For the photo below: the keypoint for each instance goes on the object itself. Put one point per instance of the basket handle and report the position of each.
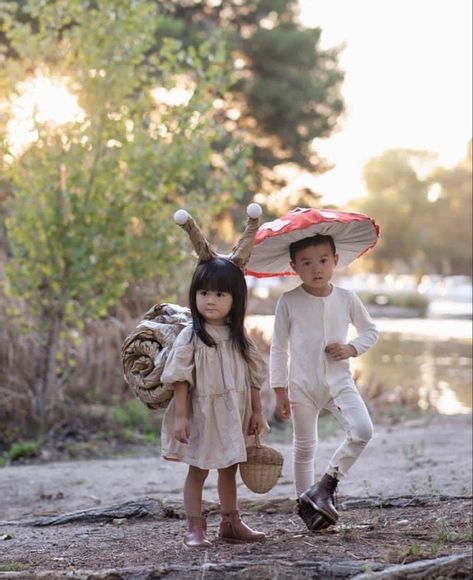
(257, 441)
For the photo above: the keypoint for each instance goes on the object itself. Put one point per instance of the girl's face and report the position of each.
(214, 306)
(315, 266)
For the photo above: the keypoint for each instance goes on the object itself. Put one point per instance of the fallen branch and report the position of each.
(401, 501)
(141, 508)
(458, 566)
(160, 509)
(234, 569)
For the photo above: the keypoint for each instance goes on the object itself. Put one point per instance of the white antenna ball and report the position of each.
(254, 210)
(181, 216)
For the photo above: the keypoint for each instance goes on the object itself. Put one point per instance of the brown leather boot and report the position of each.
(313, 519)
(232, 529)
(318, 500)
(194, 536)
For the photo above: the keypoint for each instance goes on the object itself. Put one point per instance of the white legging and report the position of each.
(350, 410)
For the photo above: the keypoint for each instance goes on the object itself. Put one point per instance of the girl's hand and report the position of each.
(338, 351)
(182, 430)
(283, 407)
(257, 424)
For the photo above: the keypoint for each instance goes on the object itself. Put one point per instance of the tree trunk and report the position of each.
(47, 391)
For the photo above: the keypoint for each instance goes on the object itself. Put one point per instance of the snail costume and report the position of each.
(219, 378)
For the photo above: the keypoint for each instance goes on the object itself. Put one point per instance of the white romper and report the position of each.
(304, 325)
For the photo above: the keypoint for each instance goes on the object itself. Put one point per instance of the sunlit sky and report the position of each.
(408, 83)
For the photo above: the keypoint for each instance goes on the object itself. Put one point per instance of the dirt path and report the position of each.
(428, 460)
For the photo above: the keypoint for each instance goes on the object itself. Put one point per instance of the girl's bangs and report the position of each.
(215, 280)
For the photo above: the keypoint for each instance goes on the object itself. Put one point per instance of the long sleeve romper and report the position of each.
(304, 325)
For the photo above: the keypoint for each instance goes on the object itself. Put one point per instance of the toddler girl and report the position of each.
(216, 373)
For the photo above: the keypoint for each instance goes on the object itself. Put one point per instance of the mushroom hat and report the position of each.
(353, 234)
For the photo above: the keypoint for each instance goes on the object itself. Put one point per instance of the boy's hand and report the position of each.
(283, 408)
(182, 430)
(337, 351)
(257, 423)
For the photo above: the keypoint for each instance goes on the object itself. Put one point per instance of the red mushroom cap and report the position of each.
(353, 234)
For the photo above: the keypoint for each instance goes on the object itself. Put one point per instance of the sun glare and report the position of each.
(42, 100)
(175, 97)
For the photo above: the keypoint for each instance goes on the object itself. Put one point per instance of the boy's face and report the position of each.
(315, 266)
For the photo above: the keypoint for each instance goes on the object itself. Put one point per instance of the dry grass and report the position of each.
(90, 364)
(91, 372)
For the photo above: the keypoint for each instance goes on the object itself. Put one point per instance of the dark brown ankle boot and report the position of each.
(232, 529)
(318, 501)
(194, 536)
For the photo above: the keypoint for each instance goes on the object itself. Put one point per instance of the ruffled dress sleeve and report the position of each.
(180, 364)
(257, 367)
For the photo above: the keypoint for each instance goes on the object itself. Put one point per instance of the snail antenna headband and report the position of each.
(240, 253)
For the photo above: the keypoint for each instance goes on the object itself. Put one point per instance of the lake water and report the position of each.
(424, 362)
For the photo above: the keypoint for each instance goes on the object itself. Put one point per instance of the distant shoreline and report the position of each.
(434, 328)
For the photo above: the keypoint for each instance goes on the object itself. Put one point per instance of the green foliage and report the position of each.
(154, 438)
(128, 435)
(93, 198)
(450, 241)
(444, 536)
(22, 449)
(419, 233)
(397, 200)
(287, 88)
(13, 567)
(413, 550)
(133, 415)
(97, 195)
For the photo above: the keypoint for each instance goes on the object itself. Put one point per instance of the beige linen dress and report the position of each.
(219, 399)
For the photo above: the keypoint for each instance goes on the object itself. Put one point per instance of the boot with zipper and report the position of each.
(233, 529)
(316, 505)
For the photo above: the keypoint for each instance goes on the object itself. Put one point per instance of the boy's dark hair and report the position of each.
(316, 240)
(221, 275)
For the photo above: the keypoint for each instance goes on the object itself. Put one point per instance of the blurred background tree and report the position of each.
(287, 89)
(285, 92)
(425, 212)
(91, 202)
(449, 228)
(397, 198)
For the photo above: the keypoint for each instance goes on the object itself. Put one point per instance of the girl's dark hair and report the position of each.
(221, 275)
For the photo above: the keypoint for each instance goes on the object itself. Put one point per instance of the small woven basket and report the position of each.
(262, 468)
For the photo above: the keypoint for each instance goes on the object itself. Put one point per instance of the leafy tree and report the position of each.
(397, 200)
(92, 199)
(287, 89)
(450, 218)
(424, 212)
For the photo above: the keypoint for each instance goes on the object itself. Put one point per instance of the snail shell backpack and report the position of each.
(146, 349)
